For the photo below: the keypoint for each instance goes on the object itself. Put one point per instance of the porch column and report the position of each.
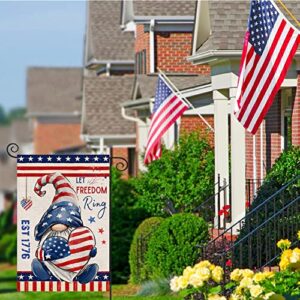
(238, 164)
(296, 112)
(221, 141)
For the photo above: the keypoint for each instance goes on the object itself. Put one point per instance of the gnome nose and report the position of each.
(59, 227)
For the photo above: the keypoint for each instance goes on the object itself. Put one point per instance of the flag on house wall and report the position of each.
(168, 107)
(270, 44)
(63, 223)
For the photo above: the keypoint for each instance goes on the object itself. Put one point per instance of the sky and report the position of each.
(37, 33)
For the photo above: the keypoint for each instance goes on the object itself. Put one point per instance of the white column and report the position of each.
(238, 164)
(152, 46)
(221, 140)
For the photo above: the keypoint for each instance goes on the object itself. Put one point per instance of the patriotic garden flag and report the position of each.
(270, 44)
(168, 107)
(63, 223)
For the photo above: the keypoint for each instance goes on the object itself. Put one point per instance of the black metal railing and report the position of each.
(252, 186)
(276, 217)
(218, 204)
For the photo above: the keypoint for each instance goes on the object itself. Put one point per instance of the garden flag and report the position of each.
(168, 107)
(63, 223)
(270, 44)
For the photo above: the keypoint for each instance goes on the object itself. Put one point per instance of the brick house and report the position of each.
(217, 41)
(108, 79)
(54, 108)
(163, 41)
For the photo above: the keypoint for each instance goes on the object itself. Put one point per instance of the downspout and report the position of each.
(152, 46)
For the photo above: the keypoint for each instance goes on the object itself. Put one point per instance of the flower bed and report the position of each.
(205, 280)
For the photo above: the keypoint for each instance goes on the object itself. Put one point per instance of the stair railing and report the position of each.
(250, 221)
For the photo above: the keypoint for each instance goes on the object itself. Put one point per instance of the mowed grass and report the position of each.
(119, 292)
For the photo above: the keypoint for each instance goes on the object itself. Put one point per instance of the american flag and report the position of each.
(26, 203)
(71, 255)
(269, 46)
(168, 107)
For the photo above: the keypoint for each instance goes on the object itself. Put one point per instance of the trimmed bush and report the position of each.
(184, 176)
(285, 169)
(125, 219)
(174, 245)
(138, 273)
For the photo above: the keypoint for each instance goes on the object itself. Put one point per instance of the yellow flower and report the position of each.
(268, 295)
(295, 257)
(174, 284)
(204, 264)
(247, 273)
(235, 297)
(284, 244)
(285, 259)
(204, 273)
(259, 277)
(196, 281)
(246, 282)
(216, 297)
(188, 272)
(255, 290)
(236, 275)
(182, 282)
(217, 274)
(298, 234)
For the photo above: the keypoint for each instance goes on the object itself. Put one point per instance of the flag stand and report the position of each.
(289, 12)
(122, 165)
(177, 91)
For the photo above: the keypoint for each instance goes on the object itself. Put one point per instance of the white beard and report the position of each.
(56, 271)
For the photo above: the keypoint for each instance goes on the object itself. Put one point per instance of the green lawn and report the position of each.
(120, 292)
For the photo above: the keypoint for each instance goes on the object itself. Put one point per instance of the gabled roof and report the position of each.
(106, 41)
(228, 23)
(164, 7)
(53, 91)
(146, 84)
(103, 97)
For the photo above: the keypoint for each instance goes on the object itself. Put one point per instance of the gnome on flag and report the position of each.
(65, 245)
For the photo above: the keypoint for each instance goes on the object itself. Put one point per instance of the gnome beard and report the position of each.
(59, 273)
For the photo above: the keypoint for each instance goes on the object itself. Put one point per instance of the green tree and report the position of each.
(184, 175)
(124, 220)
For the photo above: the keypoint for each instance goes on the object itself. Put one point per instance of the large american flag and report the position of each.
(168, 107)
(270, 44)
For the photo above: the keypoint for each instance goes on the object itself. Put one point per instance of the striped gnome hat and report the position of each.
(64, 208)
(64, 190)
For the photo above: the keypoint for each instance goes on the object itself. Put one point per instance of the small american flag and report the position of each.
(168, 107)
(270, 44)
(26, 203)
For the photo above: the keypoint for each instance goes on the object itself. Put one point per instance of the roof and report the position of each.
(106, 40)
(147, 83)
(164, 8)
(53, 90)
(103, 98)
(228, 20)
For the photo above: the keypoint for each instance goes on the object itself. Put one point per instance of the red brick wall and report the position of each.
(120, 152)
(296, 116)
(142, 43)
(49, 138)
(194, 123)
(171, 51)
(271, 142)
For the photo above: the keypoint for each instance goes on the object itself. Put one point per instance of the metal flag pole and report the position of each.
(177, 91)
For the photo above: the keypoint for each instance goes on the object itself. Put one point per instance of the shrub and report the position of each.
(174, 245)
(184, 175)
(125, 218)
(285, 169)
(138, 273)
(8, 248)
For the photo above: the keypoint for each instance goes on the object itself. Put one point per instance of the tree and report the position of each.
(185, 176)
